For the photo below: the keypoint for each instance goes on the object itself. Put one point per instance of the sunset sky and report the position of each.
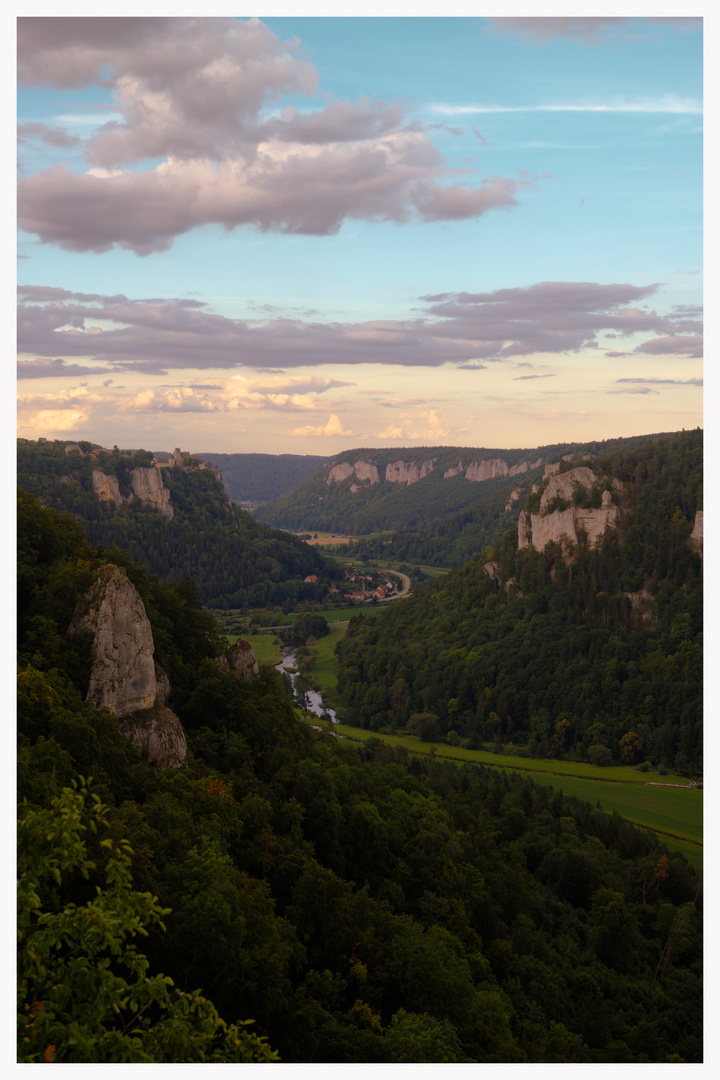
(302, 235)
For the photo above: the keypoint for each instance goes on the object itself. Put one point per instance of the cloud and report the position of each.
(465, 329)
(682, 345)
(663, 382)
(520, 378)
(421, 424)
(34, 132)
(43, 368)
(204, 96)
(634, 390)
(667, 103)
(333, 427)
(587, 30)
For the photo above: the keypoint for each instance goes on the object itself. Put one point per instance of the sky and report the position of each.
(307, 234)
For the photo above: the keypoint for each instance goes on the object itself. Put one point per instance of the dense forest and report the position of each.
(601, 651)
(259, 478)
(235, 561)
(359, 905)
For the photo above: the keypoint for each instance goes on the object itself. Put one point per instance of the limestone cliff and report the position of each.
(159, 735)
(106, 488)
(149, 488)
(565, 527)
(404, 472)
(487, 470)
(363, 470)
(564, 485)
(454, 470)
(122, 676)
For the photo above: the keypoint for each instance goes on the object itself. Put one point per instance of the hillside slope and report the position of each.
(259, 478)
(571, 647)
(177, 521)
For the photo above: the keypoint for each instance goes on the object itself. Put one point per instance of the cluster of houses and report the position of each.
(363, 595)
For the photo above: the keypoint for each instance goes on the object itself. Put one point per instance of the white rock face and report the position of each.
(149, 488)
(363, 470)
(551, 469)
(696, 536)
(456, 470)
(407, 472)
(106, 488)
(122, 677)
(340, 472)
(159, 735)
(563, 485)
(514, 496)
(487, 470)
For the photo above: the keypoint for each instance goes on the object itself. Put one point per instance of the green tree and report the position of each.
(84, 990)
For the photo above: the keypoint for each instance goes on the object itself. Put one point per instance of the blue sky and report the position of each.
(306, 234)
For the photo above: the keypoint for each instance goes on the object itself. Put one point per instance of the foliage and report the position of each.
(84, 990)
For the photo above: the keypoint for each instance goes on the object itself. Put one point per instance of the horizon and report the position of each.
(310, 235)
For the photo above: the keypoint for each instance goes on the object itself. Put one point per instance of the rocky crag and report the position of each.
(565, 526)
(147, 486)
(124, 677)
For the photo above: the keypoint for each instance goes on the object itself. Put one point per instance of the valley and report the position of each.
(507, 798)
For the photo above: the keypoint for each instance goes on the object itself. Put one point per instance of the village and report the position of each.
(369, 586)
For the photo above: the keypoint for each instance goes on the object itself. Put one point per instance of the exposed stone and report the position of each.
(550, 469)
(696, 536)
(407, 472)
(365, 470)
(491, 569)
(160, 736)
(514, 496)
(354, 488)
(106, 487)
(524, 530)
(564, 485)
(122, 676)
(242, 660)
(487, 470)
(456, 470)
(340, 472)
(149, 488)
(525, 466)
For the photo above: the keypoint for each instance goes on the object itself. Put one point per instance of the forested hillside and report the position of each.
(599, 652)
(258, 478)
(358, 905)
(364, 490)
(234, 560)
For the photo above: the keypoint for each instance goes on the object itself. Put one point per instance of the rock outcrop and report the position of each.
(564, 485)
(106, 488)
(565, 527)
(149, 488)
(240, 660)
(122, 676)
(407, 472)
(454, 470)
(159, 735)
(696, 536)
(514, 496)
(363, 470)
(487, 469)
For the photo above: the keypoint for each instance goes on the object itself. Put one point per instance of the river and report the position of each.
(313, 701)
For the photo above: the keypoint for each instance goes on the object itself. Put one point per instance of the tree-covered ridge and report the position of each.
(358, 905)
(384, 504)
(234, 560)
(604, 650)
(258, 478)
